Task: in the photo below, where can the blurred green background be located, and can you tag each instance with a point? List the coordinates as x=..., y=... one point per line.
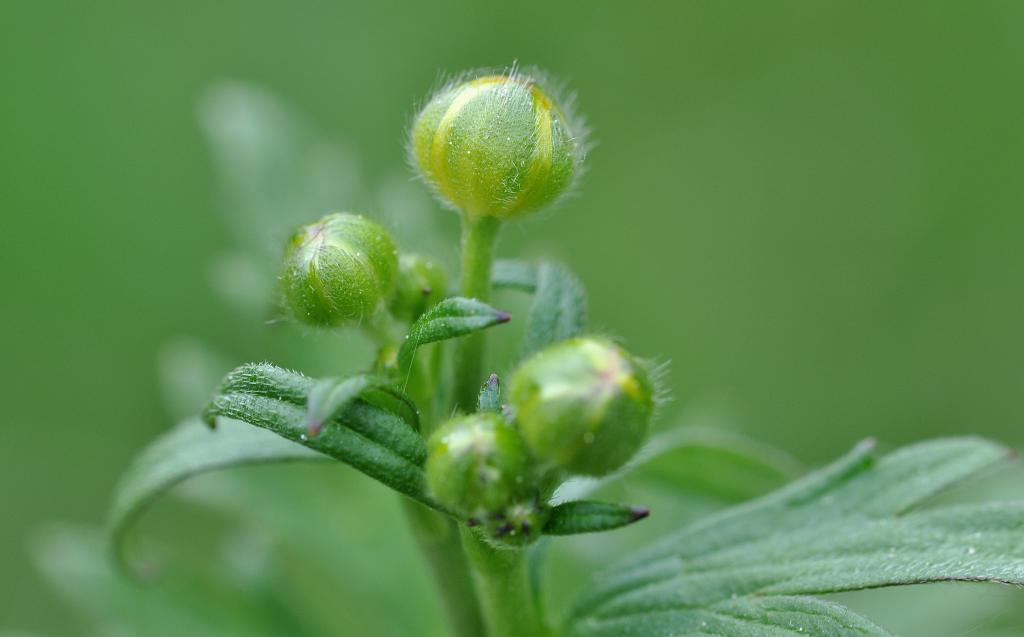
x=813, y=210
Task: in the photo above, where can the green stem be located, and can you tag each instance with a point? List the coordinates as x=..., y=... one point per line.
x=435, y=534
x=503, y=587
x=438, y=540
x=479, y=235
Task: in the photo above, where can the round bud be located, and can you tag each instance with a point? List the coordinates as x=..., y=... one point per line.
x=338, y=270
x=421, y=283
x=496, y=146
x=477, y=465
x=583, y=405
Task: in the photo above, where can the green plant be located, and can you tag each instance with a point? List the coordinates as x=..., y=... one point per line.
x=485, y=490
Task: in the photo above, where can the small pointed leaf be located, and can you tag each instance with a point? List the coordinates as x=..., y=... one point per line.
x=330, y=397
x=583, y=516
x=490, y=395
x=451, y=318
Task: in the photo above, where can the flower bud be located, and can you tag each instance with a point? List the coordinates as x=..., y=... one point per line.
x=477, y=465
x=583, y=405
x=517, y=525
x=421, y=283
x=338, y=270
x=496, y=146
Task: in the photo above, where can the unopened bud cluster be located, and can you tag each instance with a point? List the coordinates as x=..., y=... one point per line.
x=581, y=406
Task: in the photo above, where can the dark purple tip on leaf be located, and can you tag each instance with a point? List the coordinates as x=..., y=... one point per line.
x=503, y=317
x=493, y=381
x=639, y=513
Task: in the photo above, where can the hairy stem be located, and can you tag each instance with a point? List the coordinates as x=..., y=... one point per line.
x=478, y=238
x=438, y=539
x=503, y=588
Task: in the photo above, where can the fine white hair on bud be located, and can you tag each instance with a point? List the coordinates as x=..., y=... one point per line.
x=498, y=144
x=338, y=270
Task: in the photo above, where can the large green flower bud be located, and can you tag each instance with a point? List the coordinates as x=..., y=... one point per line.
x=583, y=405
x=338, y=270
x=496, y=146
x=477, y=465
x=421, y=283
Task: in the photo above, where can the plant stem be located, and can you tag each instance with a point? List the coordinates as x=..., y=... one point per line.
x=479, y=235
x=438, y=540
x=503, y=588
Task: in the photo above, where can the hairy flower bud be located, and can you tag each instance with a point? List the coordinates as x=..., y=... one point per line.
x=338, y=270
x=496, y=145
x=421, y=283
x=583, y=405
x=477, y=465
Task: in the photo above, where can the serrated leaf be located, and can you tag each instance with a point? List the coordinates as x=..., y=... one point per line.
x=584, y=516
x=451, y=318
x=834, y=530
x=188, y=450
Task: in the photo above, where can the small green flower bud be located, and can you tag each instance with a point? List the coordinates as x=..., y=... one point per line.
x=477, y=465
x=421, y=283
x=496, y=146
x=518, y=524
x=583, y=405
x=338, y=270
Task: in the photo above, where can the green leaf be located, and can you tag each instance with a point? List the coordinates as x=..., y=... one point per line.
x=490, y=395
x=278, y=384
x=373, y=440
x=702, y=460
x=583, y=516
x=187, y=450
x=514, y=275
x=330, y=397
x=846, y=527
x=451, y=318
x=559, y=309
x=742, y=617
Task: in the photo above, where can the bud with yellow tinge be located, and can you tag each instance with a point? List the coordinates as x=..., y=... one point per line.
x=583, y=405
x=496, y=145
x=338, y=270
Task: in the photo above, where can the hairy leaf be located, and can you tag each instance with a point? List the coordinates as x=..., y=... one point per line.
x=451, y=318
x=330, y=397
x=277, y=384
x=846, y=527
x=583, y=516
x=188, y=450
